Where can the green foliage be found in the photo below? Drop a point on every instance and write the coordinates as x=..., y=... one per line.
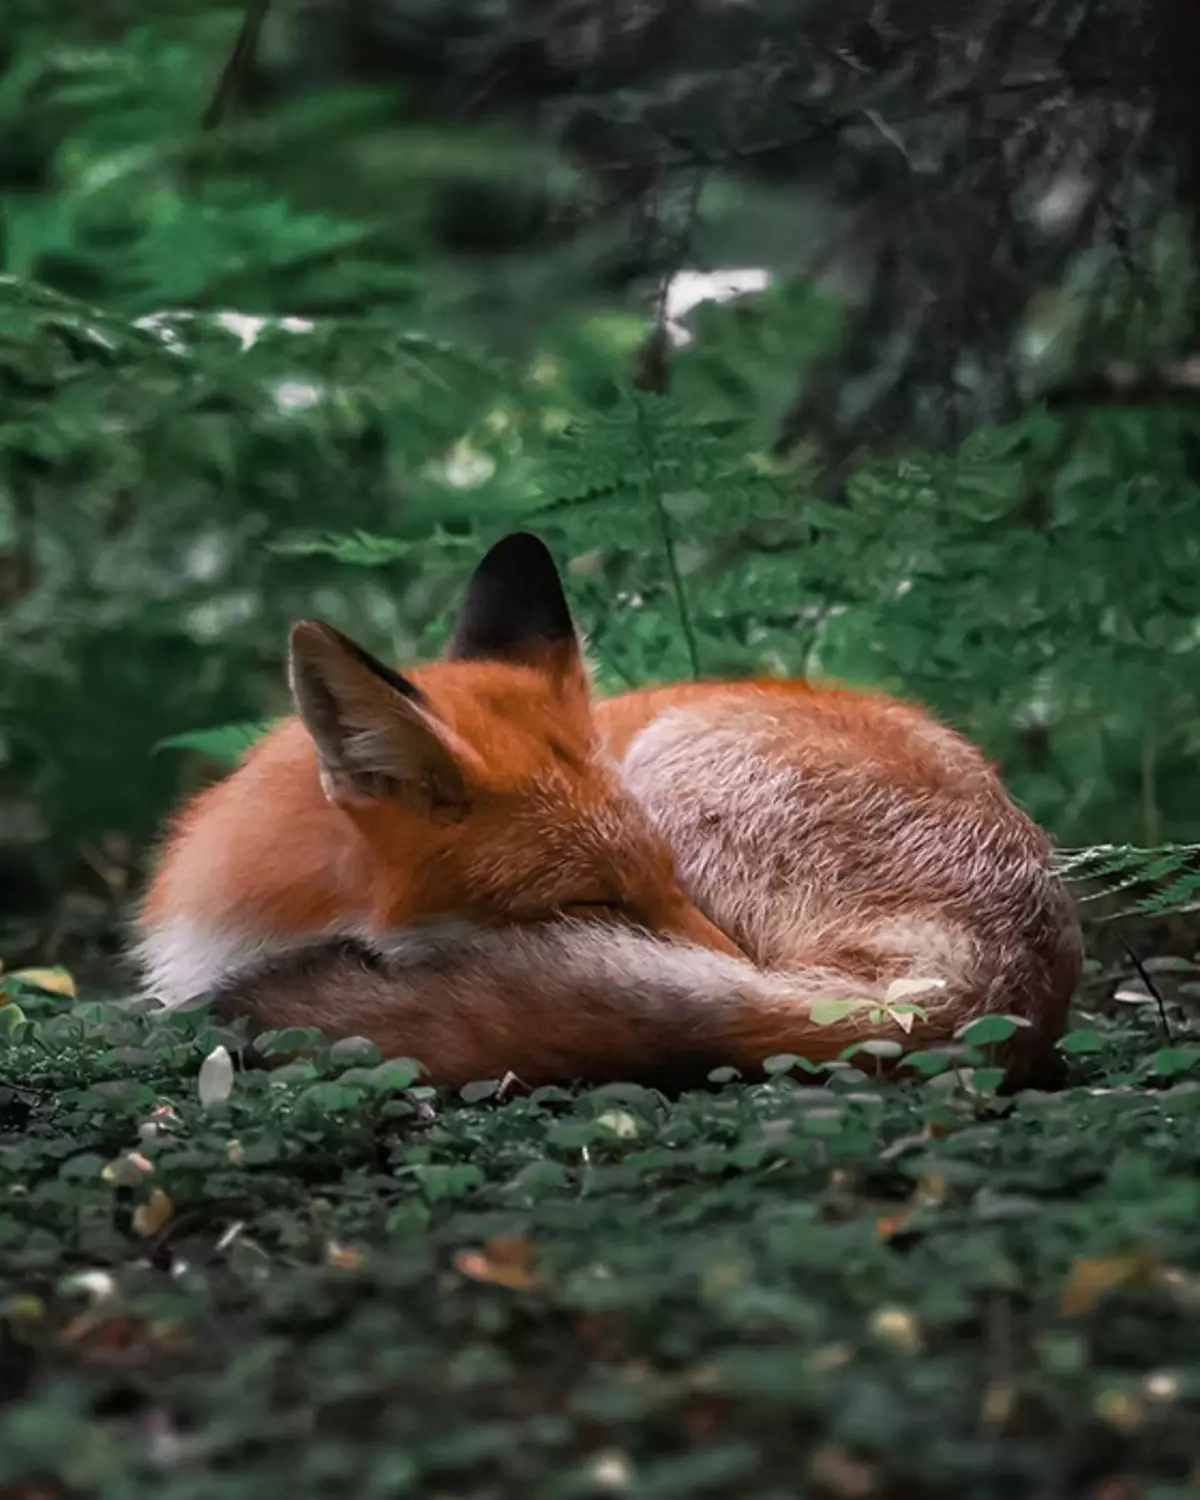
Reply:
x=333, y=1274
x=226, y=744
x=1148, y=882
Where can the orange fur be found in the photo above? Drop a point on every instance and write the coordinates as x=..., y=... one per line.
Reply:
x=549, y=826
x=478, y=867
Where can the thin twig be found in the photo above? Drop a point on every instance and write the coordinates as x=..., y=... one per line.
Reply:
x=653, y=374
x=1144, y=976
x=239, y=63
x=654, y=490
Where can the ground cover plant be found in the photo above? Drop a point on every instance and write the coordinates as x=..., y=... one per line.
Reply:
x=303, y=305
x=233, y=1282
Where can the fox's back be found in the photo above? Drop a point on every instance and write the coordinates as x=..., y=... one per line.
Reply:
x=819, y=823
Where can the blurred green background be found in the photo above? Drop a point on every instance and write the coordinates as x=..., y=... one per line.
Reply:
x=303, y=304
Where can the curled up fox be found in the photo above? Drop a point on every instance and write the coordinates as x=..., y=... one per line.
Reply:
x=479, y=865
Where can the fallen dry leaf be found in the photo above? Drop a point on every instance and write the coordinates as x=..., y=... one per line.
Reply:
x=342, y=1257
x=890, y=1225
x=149, y=1217
x=51, y=981
x=508, y=1260
x=1092, y=1278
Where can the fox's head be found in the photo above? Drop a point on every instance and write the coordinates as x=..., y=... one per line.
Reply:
x=478, y=785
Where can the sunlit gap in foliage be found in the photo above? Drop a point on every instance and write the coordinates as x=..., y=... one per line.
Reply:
x=688, y=289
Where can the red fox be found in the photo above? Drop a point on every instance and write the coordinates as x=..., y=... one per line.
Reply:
x=476, y=865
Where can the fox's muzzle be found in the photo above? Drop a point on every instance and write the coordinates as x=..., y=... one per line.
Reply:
x=692, y=926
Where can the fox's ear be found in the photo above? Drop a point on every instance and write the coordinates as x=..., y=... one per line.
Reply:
x=516, y=611
x=375, y=733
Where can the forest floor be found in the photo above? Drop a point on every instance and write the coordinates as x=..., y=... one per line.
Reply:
x=322, y=1278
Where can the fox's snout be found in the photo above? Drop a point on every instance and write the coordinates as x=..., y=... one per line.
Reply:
x=690, y=924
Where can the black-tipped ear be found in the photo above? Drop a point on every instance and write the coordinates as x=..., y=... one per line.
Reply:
x=515, y=609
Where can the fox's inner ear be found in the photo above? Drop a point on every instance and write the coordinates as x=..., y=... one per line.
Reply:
x=516, y=611
x=375, y=733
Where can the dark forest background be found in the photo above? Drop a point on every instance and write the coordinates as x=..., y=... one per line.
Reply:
x=302, y=304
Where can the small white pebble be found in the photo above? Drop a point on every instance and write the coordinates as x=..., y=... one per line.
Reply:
x=898, y=1327
x=215, y=1081
x=612, y=1469
x=98, y=1285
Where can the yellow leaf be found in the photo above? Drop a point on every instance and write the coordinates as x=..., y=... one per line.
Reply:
x=1092, y=1278
x=507, y=1260
x=149, y=1217
x=342, y=1257
x=898, y=1327
x=52, y=981
x=25, y=1308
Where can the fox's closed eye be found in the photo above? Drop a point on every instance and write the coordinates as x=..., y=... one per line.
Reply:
x=592, y=905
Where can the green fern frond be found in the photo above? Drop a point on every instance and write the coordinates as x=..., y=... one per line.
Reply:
x=225, y=743
x=362, y=549
x=1165, y=879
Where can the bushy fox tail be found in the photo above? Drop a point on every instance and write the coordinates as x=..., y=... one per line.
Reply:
x=565, y=1001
